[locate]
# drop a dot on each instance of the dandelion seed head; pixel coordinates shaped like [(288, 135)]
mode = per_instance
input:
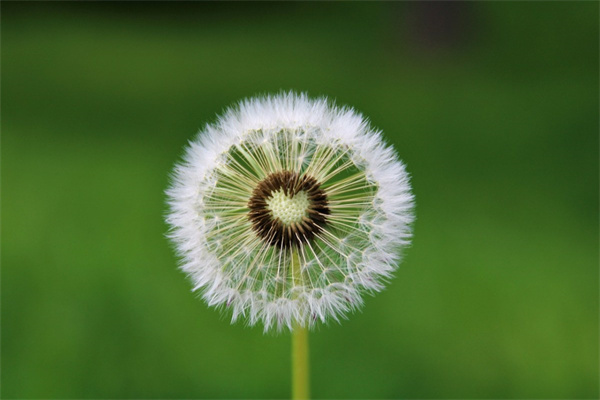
[(284, 180)]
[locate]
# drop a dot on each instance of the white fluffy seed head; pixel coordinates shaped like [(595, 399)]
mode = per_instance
[(281, 180)]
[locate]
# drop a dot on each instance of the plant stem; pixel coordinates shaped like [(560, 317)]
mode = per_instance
[(300, 366), (300, 381)]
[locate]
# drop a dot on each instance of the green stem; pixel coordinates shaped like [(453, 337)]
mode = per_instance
[(300, 366), (300, 381)]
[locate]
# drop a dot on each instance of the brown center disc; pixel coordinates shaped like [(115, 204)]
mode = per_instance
[(271, 229)]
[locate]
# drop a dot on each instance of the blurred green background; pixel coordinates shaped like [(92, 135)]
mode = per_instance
[(492, 105)]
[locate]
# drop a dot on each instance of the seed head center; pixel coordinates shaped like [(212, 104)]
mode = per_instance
[(289, 210)]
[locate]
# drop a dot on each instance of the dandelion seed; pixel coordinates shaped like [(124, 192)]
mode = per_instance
[(286, 179)]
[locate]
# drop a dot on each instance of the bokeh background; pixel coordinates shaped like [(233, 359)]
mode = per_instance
[(492, 105)]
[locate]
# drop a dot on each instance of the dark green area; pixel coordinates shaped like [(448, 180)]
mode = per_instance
[(493, 107)]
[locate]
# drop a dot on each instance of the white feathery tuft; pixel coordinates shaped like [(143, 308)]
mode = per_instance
[(353, 249)]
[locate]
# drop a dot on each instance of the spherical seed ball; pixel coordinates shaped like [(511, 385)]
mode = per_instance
[(288, 210)]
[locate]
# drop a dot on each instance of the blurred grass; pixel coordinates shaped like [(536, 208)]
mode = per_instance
[(498, 296)]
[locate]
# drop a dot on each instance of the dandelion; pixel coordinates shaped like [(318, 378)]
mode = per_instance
[(287, 177), (288, 210)]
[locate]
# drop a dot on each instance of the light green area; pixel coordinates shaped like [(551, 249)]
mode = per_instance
[(497, 297), (288, 209)]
